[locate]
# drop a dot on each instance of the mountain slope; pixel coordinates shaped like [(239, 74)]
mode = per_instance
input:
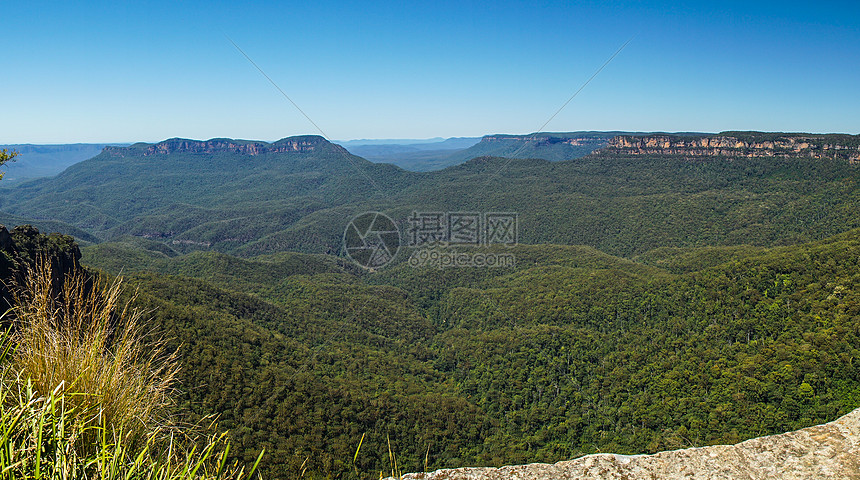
[(308, 368), (250, 198), (194, 183), (571, 351)]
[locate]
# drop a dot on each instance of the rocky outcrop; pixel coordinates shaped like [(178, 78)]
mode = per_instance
[(301, 144), (831, 450), (845, 147), (725, 144), (23, 247)]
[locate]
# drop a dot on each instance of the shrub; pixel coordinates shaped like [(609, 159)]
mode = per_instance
[(86, 393)]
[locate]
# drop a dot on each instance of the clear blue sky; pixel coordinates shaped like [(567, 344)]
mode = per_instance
[(112, 72)]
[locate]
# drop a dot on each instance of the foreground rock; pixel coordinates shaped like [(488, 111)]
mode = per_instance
[(831, 450)]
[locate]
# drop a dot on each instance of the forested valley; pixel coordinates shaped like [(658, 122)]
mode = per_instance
[(656, 302)]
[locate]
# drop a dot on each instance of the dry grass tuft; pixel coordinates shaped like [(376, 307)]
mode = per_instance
[(86, 393), (83, 339)]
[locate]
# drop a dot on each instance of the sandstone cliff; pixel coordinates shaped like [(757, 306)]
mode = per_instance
[(831, 450), (301, 144), (738, 144)]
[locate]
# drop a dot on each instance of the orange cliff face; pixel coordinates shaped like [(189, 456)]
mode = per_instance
[(799, 146)]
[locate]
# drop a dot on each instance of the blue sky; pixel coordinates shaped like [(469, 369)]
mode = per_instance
[(114, 72)]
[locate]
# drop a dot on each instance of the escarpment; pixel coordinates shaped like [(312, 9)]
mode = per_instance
[(300, 144), (738, 144)]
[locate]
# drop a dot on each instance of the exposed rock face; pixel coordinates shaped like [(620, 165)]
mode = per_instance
[(831, 450), (846, 147), (302, 144), (21, 248)]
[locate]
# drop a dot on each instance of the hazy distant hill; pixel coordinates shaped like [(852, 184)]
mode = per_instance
[(426, 157), (437, 143), (36, 161), (548, 146), (418, 157), (554, 147)]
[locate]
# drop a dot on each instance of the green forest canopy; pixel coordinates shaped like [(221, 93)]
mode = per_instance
[(571, 352)]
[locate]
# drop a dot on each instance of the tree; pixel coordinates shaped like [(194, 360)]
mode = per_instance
[(6, 156)]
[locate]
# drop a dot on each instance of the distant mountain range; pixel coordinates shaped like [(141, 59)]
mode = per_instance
[(420, 156), (437, 143), (244, 189), (36, 161), (429, 156), (245, 197)]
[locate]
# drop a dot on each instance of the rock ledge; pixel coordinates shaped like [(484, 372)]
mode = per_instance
[(831, 450)]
